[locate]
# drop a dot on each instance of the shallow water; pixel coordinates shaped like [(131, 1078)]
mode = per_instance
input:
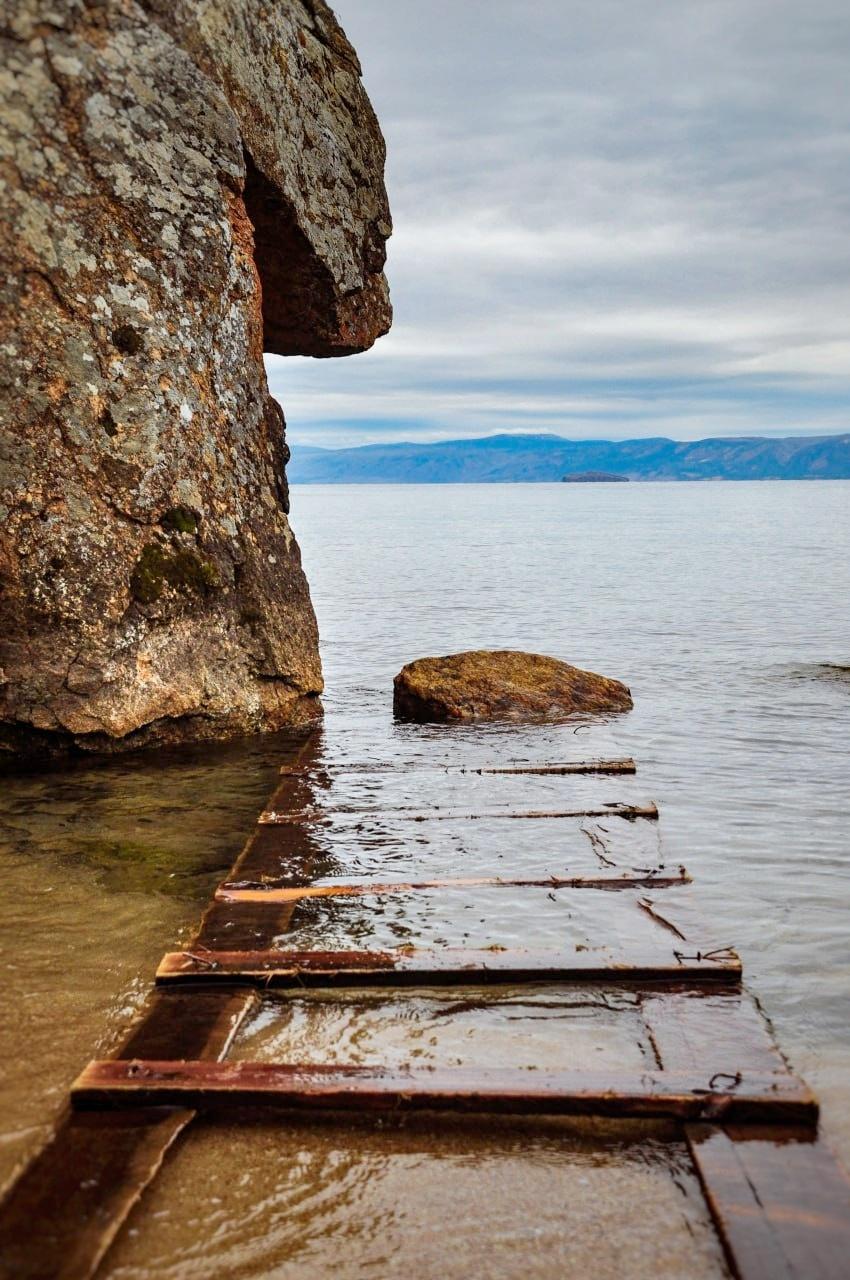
[(527, 1028), (727, 610), (289, 1202), (102, 868)]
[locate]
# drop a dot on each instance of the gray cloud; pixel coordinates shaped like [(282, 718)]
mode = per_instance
[(613, 217)]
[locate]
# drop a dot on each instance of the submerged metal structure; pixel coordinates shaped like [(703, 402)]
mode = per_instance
[(779, 1201)]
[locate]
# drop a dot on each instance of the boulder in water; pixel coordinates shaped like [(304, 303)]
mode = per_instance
[(501, 685)]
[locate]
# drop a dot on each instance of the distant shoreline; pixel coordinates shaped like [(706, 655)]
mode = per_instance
[(508, 459), (637, 481)]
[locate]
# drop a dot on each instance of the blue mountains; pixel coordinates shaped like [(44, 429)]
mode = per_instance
[(504, 458)]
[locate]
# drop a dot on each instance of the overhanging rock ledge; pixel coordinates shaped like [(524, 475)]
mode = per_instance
[(184, 185)]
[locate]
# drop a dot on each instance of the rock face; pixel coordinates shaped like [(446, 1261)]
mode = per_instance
[(184, 185), (501, 685)]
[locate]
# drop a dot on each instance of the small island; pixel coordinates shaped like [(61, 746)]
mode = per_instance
[(594, 477)]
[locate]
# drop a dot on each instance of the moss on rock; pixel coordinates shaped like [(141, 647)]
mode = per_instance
[(180, 520), (160, 567)]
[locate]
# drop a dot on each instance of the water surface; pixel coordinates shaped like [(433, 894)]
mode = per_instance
[(726, 608)]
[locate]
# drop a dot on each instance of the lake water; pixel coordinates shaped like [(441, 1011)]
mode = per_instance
[(726, 608)]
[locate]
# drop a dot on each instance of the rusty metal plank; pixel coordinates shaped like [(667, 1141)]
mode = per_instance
[(624, 766), (234, 891), (780, 1201), (201, 1023), (250, 927), (332, 1087), (614, 767), (721, 1032), (278, 850), (284, 817), (269, 851), (67, 1206), (447, 967)]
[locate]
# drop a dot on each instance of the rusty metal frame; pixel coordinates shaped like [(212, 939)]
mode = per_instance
[(255, 891), (445, 967), (568, 767), (780, 1202), (775, 1098), (629, 812)]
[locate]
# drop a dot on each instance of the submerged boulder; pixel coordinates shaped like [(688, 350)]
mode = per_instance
[(186, 185), (501, 684)]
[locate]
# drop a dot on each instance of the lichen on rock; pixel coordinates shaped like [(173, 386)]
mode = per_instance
[(184, 185)]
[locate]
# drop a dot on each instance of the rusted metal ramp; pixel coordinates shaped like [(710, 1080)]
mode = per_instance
[(616, 921)]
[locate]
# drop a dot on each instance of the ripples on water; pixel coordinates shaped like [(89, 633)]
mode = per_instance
[(506, 1200), (725, 607), (525, 1027)]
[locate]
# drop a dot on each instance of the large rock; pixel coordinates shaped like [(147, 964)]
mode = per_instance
[(501, 685), (184, 185)]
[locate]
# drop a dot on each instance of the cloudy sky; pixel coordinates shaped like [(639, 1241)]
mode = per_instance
[(614, 218)]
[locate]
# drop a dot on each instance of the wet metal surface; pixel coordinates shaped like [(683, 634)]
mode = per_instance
[(512, 1027)]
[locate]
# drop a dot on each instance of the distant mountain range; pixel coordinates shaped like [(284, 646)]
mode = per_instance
[(498, 459)]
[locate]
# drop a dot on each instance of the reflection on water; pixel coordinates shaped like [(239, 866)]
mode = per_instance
[(437, 1202), (386, 849)]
